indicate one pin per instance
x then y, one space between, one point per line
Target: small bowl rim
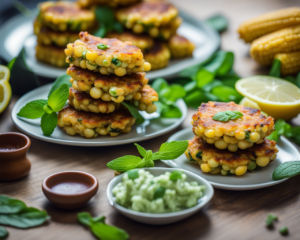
206 198
89 190
26 146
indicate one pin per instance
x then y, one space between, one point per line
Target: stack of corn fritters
106 75
57 24
234 146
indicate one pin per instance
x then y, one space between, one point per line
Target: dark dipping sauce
70 187
9 147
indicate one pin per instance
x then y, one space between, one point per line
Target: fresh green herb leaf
175 175
159 193
63 79
204 77
10 205
208 87
273 136
159 84
172 93
22 8
124 163
195 99
47 109
48 123
86 219
3 232
11 63
101 32
284 231
218 63
26 218
275 69
170 150
190 87
118 27
286 170
105 16
171 111
33 109
148 155
133 174
271 218
227 64
297 80
20 70
107 232
134 112
141 150
226 94
290 79
102 46
59 97
218 22
199 154
116 61
227 115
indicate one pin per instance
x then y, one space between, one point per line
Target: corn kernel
205 167
89 133
213 163
210 133
223 172
230 139
262 161
219 132
255 136
91 56
241 170
232 147
240 135
226 168
221 144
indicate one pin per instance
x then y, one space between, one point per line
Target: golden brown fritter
51 55
158 56
241 133
63 15
111 3
90 125
180 47
142 41
255 157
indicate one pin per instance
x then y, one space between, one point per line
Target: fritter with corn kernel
47 36
142 41
83 101
66 16
158 56
180 47
241 133
111 3
108 88
149 17
106 55
51 54
90 125
217 161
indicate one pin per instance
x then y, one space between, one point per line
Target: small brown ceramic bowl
14 163
70 189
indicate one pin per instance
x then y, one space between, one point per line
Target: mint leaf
10 205
148 155
133 174
124 163
11 63
134 112
170 150
286 170
26 218
63 79
284 231
159 193
218 22
175 175
107 232
3 233
271 218
48 123
33 109
227 115
159 84
86 219
273 136
141 150
59 97
275 69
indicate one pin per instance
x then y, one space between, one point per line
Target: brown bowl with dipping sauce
14 163
70 189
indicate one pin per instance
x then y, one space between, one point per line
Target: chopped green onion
102 46
117 62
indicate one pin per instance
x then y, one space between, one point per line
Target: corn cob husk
269 22
285 40
290 62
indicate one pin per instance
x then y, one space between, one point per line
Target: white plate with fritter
255 180
154 126
18 32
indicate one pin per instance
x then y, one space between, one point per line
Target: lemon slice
275 96
5 94
4 73
249 103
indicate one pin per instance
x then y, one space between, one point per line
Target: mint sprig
46 109
100 229
227 115
286 170
167 151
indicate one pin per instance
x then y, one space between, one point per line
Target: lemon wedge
275 96
5 89
249 103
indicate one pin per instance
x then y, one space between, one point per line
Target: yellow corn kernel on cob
290 62
285 40
269 22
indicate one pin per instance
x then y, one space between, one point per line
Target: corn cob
285 40
270 22
290 62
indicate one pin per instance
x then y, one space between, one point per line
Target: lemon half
275 96
5 89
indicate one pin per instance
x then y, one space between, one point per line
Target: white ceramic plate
151 128
18 32
162 218
258 179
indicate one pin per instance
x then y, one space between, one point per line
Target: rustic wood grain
230 214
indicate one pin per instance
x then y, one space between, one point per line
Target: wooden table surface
230 214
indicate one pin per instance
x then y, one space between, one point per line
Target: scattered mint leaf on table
286 170
271 218
218 22
3 232
284 231
10 205
227 115
86 219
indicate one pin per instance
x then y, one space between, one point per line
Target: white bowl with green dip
158 195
